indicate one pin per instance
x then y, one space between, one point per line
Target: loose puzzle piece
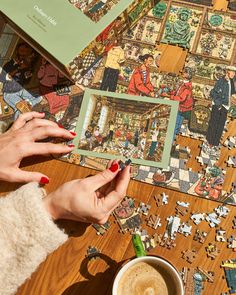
156 239
182 204
220 235
234 222
101 229
207 275
213 219
232 243
161 200
181 210
144 208
231 161
154 221
167 243
92 253
173 223
212 251
187 277
230 142
185 229
197 217
222 211
200 236
189 255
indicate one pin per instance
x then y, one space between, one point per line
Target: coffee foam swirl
142 279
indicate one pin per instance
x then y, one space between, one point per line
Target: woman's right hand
22 140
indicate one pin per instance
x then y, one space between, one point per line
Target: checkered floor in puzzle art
183 179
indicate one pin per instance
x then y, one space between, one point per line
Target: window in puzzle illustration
94 9
89 114
181 26
103 118
8 40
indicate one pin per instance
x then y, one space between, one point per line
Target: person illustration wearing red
185 97
48 78
140 83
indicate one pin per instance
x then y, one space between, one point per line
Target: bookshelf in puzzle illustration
178 51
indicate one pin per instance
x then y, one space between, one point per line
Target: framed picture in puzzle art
114 125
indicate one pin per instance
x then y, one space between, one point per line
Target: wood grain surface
68 272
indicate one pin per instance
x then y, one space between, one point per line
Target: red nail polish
60 126
41 113
73 133
71 145
44 180
114 167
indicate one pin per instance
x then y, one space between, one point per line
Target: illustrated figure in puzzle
115 57
48 77
221 96
154 143
185 97
14 75
179 32
140 83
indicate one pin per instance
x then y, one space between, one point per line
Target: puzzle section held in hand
164 51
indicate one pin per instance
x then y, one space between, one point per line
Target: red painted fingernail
114 167
61 126
42 113
44 180
73 133
71 145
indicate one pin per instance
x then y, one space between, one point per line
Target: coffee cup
148 275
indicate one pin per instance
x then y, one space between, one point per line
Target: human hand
21 141
90 199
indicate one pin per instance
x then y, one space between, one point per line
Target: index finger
112 200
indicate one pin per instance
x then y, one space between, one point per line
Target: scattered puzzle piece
92 253
183 204
200 236
189 255
161 200
154 221
198 217
173 223
220 235
231 161
181 210
222 211
234 222
212 251
230 142
144 208
208 275
101 229
185 229
213 219
232 243
187 277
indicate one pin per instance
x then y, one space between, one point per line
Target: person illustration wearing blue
14 75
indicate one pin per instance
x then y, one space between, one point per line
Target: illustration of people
14 75
185 97
111 130
140 83
221 96
97 135
48 77
117 136
88 137
97 6
128 138
154 143
143 141
115 57
136 137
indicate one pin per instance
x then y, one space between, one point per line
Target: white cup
174 276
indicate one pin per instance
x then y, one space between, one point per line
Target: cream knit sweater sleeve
27 236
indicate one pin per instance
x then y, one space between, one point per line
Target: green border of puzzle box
169 136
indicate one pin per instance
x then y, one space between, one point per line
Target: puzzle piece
230 142
213 219
212 251
154 221
231 161
144 208
161 200
208 275
220 235
189 255
156 239
167 243
183 204
232 243
92 253
222 211
101 229
173 223
187 277
185 229
198 217
234 222
181 210
200 236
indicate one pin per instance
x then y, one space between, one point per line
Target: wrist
50 208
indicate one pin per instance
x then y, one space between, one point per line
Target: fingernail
61 126
73 133
114 167
71 145
41 113
44 180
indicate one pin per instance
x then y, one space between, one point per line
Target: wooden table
66 271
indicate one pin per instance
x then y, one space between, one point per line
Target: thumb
103 177
19 175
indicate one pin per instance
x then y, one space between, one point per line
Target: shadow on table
100 284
